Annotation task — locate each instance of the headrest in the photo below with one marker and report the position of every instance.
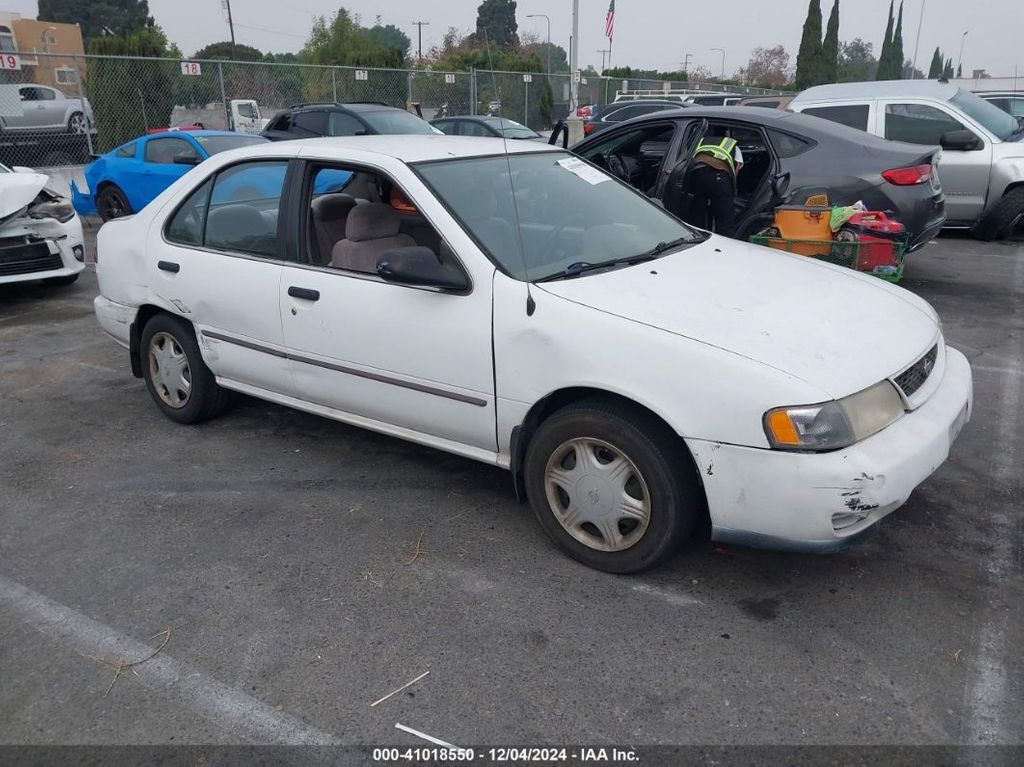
(372, 222)
(330, 207)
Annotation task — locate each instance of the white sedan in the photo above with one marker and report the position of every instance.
(40, 233)
(515, 305)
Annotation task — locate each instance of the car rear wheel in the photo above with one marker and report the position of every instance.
(77, 123)
(1005, 216)
(111, 203)
(612, 486)
(176, 376)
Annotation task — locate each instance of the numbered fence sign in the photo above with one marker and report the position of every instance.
(527, 78)
(191, 68)
(450, 79)
(362, 74)
(10, 61)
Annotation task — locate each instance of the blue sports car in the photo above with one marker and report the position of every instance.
(126, 179)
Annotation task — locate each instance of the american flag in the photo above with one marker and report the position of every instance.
(609, 21)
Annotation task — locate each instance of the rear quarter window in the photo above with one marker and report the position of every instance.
(788, 145)
(852, 115)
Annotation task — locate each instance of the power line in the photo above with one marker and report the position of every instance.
(272, 31)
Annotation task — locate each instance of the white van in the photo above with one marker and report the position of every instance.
(982, 165)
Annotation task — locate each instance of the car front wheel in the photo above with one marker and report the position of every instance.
(77, 123)
(611, 485)
(176, 376)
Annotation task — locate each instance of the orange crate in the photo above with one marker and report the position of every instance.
(797, 222)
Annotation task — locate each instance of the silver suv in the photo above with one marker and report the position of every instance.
(982, 165)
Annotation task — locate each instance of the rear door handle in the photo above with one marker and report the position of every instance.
(168, 266)
(306, 293)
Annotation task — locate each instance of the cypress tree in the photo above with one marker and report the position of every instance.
(947, 71)
(808, 59)
(896, 51)
(886, 54)
(935, 68)
(830, 48)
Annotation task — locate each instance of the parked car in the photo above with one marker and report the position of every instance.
(40, 235)
(765, 102)
(714, 99)
(982, 146)
(1011, 102)
(525, 309)
(30, 107)
(819, 157)
(353, 119)
(620, 111)
(125, 179)
(490, 127)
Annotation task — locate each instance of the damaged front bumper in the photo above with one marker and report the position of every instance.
(35, 249)
(826, 501)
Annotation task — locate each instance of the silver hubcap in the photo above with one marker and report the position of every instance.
(78, 124)
(169, 370)
(597, 494)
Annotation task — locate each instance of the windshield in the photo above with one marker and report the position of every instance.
(569, 212)
(510, 128)
(992, 118)
(395, 121)
(215, 144)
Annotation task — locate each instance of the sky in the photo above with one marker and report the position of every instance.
(649, 34)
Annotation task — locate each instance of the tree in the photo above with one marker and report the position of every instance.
(857, 62)
(885, 57)
(343, 41)
(225, 51)
(496, 23)
(830, 48)
(809, 57)
(767, 68)
(99, 18)
(959, 70)
(947, 70)
(935, 68)
(128, 96)
(390, 36)
(896, 53)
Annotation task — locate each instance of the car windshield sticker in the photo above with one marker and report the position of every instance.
(584, 171)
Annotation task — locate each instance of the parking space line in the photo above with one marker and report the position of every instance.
(239, 714)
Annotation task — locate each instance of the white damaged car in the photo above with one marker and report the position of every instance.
(40, 233)
(518, 306)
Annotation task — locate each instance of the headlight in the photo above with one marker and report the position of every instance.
(834, 425)
(58, 209)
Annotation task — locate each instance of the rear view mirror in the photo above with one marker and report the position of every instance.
(418, 266)
(186, 159)
(960, 140)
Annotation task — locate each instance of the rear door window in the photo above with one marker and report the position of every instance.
(918, 123)
(341, 124)
(852, 115)
(309, 124)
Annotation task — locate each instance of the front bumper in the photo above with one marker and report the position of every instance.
(827, 501)
(115, 319)
(37, 249)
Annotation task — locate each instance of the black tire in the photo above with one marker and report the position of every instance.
(1007, 214)
(111, 203)
(67, 279)
(205, 399)
(663, 466)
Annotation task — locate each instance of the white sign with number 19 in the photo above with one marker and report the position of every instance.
(10, 61)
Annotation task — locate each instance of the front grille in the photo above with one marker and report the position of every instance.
(25, 257)
(913, 378)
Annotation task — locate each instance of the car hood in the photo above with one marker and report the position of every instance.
(833, 328)
(17, 190)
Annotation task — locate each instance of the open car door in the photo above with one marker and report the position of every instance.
(671, 188)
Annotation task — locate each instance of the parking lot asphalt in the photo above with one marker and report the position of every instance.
(280, 549)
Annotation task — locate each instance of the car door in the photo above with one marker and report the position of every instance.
(397, 358)
(158, 169)
(218, 264)
(33, 105)
(964, 173)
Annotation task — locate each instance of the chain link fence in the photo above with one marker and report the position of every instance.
(58, 109)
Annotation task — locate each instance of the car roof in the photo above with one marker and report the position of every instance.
(410, 148)
(166, 133)
(879, 89)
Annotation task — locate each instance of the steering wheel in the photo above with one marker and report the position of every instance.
(616, 166)
(548, 247)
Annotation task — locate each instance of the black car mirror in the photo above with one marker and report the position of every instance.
(187, 159)
(960, 140)
(780, 185)
(420, 267)
(560, 129)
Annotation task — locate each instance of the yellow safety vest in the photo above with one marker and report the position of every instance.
(721, 149)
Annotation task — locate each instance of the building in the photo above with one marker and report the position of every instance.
(46, 49)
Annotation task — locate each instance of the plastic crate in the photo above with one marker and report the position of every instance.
(852, 255)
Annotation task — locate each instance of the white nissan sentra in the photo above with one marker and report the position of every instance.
(520, 307)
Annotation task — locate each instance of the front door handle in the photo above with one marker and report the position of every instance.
(168, 266)
(306, 293)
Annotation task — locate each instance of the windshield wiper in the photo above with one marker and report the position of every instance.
(582, 267)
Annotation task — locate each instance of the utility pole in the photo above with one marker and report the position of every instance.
(913, 64)
(722, 51)
(231, 25)
(548, 19)
(603, 51)
(686, 64)
(960, 59)
(574, 64)
(419, 26)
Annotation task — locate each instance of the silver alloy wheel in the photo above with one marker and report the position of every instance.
(597, 494)
(77, 123)
(169, 370)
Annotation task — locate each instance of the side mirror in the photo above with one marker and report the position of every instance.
(419, 266)
(960, 140)
(187, 159)
(780, 185)
(560, 129)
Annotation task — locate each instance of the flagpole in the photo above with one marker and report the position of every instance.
(609, 54)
